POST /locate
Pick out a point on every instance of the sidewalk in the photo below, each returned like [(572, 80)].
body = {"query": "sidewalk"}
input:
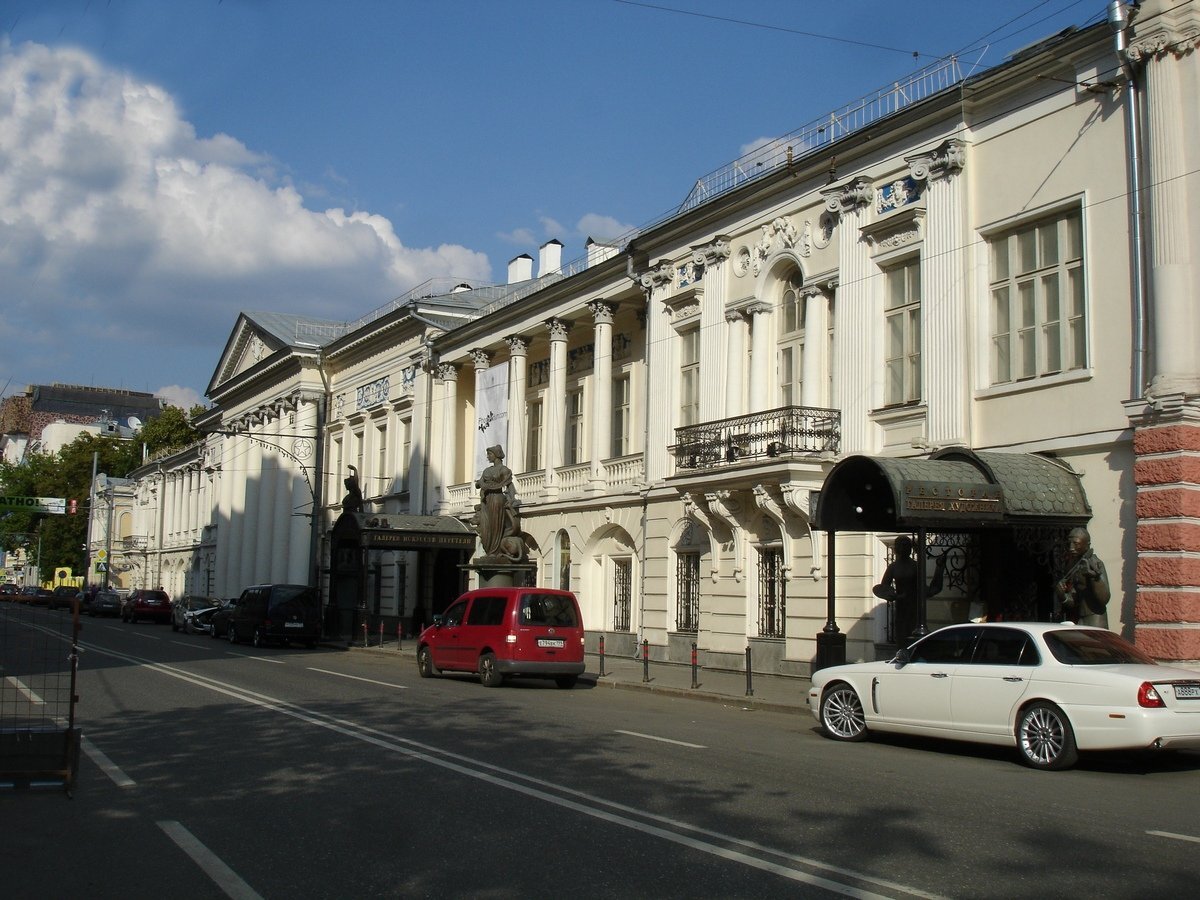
[(777, 693)]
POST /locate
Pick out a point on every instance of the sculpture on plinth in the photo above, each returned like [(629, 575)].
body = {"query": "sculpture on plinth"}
[(496, 520)]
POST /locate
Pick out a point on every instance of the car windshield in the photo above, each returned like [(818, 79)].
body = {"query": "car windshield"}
[(1093, 647)]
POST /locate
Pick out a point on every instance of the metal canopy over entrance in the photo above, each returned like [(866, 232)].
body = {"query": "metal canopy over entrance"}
[(953, 490)]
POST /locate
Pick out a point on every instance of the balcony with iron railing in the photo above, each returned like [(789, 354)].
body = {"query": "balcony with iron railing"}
[(786, 432)]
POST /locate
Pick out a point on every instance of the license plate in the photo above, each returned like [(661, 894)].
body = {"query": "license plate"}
[(293, 624), (550, 642), (1187, 692)]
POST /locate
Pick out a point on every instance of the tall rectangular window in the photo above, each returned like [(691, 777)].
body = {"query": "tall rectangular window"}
[(1038, 322), (573, 443), (405, 460), (902, 334), (791, 344), (622, 594), (533, 437), (620, 416), (689, 377), (335, 470), (687, 578), (772, 594), (382, 472)]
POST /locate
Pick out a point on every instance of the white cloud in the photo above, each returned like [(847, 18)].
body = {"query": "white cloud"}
[(601, 228), (124, 234)]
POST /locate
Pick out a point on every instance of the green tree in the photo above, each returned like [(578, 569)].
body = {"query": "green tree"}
[(169, 431)]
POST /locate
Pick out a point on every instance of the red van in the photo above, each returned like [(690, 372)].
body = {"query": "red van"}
[(499, 632)]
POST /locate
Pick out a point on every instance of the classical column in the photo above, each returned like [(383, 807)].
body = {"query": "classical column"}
[(222, 506), (762, 359), (448, 452), (253, 521), (556, 403), (300, 567), (482, 361), (735, 362), (602, 394), (709, 259), (270, 522), (662, 354), (814, 366), (518, 352), (235, 469), (945, 381), (856, 356), (281, 512)]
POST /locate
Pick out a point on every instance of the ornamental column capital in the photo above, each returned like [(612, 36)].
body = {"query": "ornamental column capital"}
[(602, 311), (661, 275), (947, 159), (481, 358), (713, 253), (518, 345), (849, 197), (447, 371), (559, 329)]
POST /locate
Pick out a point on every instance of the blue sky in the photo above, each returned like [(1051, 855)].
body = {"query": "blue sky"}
[(164, 165)]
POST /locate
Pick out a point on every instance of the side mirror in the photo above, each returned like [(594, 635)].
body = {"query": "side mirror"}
[(437, 621), (903, 657)]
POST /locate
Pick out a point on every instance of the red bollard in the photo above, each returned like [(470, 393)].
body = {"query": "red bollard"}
[(695, 683), (399, 634), (380, 632), (645, 660), (601, 656)]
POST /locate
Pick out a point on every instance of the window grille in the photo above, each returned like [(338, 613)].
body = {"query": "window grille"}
[(772, 594), (687, 611), (622, 594)]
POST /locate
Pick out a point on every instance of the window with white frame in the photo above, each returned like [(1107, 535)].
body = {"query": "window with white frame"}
[(772, 593), (335, 471), (381, 460), (791, 342), (620, 415), (533, 437), (573, 439), (405, 460), (622, 594), (902, 333), (687, 581), (689, 377), (1038, 322)]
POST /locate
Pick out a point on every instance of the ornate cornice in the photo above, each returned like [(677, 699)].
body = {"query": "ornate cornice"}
[(713, 253), (1176, 32)]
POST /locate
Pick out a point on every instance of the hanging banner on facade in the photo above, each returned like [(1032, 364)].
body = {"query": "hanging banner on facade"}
[(491, 412), (55, 506)]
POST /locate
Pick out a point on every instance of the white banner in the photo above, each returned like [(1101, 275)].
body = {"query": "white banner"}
[(491, 414)]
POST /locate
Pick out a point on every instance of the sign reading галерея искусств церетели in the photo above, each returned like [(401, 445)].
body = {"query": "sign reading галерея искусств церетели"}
[(936, 500)]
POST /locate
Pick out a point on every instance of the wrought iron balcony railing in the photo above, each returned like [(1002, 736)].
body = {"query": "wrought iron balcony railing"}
[(784, 432)]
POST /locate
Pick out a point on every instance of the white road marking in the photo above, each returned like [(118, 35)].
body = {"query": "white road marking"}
[(22, 688), (1177, 837), (226, 879), (120, 779), (278, 662), (651, 737), (587, 804), (400, 687), (149, 637)]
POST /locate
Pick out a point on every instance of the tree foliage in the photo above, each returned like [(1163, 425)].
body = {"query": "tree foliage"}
[(60, 540)]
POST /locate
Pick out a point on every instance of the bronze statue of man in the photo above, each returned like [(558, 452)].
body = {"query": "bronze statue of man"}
[(1082, 594)]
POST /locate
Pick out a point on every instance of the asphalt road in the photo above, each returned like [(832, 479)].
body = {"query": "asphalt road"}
[(214, 771)]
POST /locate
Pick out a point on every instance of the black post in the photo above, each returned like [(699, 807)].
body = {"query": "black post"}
[(645, 660), (601, 656), (695, 683), (831, 643), (749, 675)]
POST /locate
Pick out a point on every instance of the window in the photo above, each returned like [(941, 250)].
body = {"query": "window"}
[(772, 594), (487, 611), (791, 343), (335, 472), (689, 377), (949, 645), (1005, 647), (620, 416), (573, 444), (1038, 326), (405, 460), (902, 334), (548, 609), (622, 594), (533, 442), (381, 463), (687, 575)]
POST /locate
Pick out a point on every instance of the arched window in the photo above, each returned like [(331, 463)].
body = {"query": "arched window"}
[(564, 561), (791, 341)]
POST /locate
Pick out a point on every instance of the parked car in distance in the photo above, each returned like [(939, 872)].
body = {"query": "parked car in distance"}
[(185, 613), (35, 596), (9, 591), (62, 596), (102, 603), (1050, 690), (502, 632), (146, 603), (218, 622), (276, 614)]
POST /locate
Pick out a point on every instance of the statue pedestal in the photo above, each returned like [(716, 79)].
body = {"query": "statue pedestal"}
[(501, 572)]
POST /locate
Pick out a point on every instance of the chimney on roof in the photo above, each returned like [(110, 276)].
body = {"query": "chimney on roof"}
[(520, 268), (598, 252), (550, 258)]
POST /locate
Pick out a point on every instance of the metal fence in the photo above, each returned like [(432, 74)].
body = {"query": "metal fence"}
[(39, 653)]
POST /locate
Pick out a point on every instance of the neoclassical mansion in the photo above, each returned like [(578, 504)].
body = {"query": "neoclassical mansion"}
[(965, 311)]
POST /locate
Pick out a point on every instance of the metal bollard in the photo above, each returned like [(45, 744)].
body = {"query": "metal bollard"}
[(749, 675), (695, 683), (364, 634), (381, 632), (645, 660), (601, 656), (399, 635)]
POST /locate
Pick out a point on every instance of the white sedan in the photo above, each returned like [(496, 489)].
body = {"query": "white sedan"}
[(1050, 689)]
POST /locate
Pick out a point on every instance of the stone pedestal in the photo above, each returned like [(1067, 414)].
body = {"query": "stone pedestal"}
[(501, 574)]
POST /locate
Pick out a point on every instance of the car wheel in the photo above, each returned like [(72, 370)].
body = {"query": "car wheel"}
[(258, 639), (232, 635), (566, 681), (425, 663), (842, 714), (489, 675), (1045, 739)]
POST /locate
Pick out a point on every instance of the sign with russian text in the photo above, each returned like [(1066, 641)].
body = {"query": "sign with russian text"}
[(56, 506), (950, 500)]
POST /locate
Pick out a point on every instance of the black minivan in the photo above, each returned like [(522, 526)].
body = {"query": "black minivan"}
[(276, 613)]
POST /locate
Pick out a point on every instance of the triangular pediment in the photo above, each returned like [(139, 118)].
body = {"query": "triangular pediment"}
[(248, 345)]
